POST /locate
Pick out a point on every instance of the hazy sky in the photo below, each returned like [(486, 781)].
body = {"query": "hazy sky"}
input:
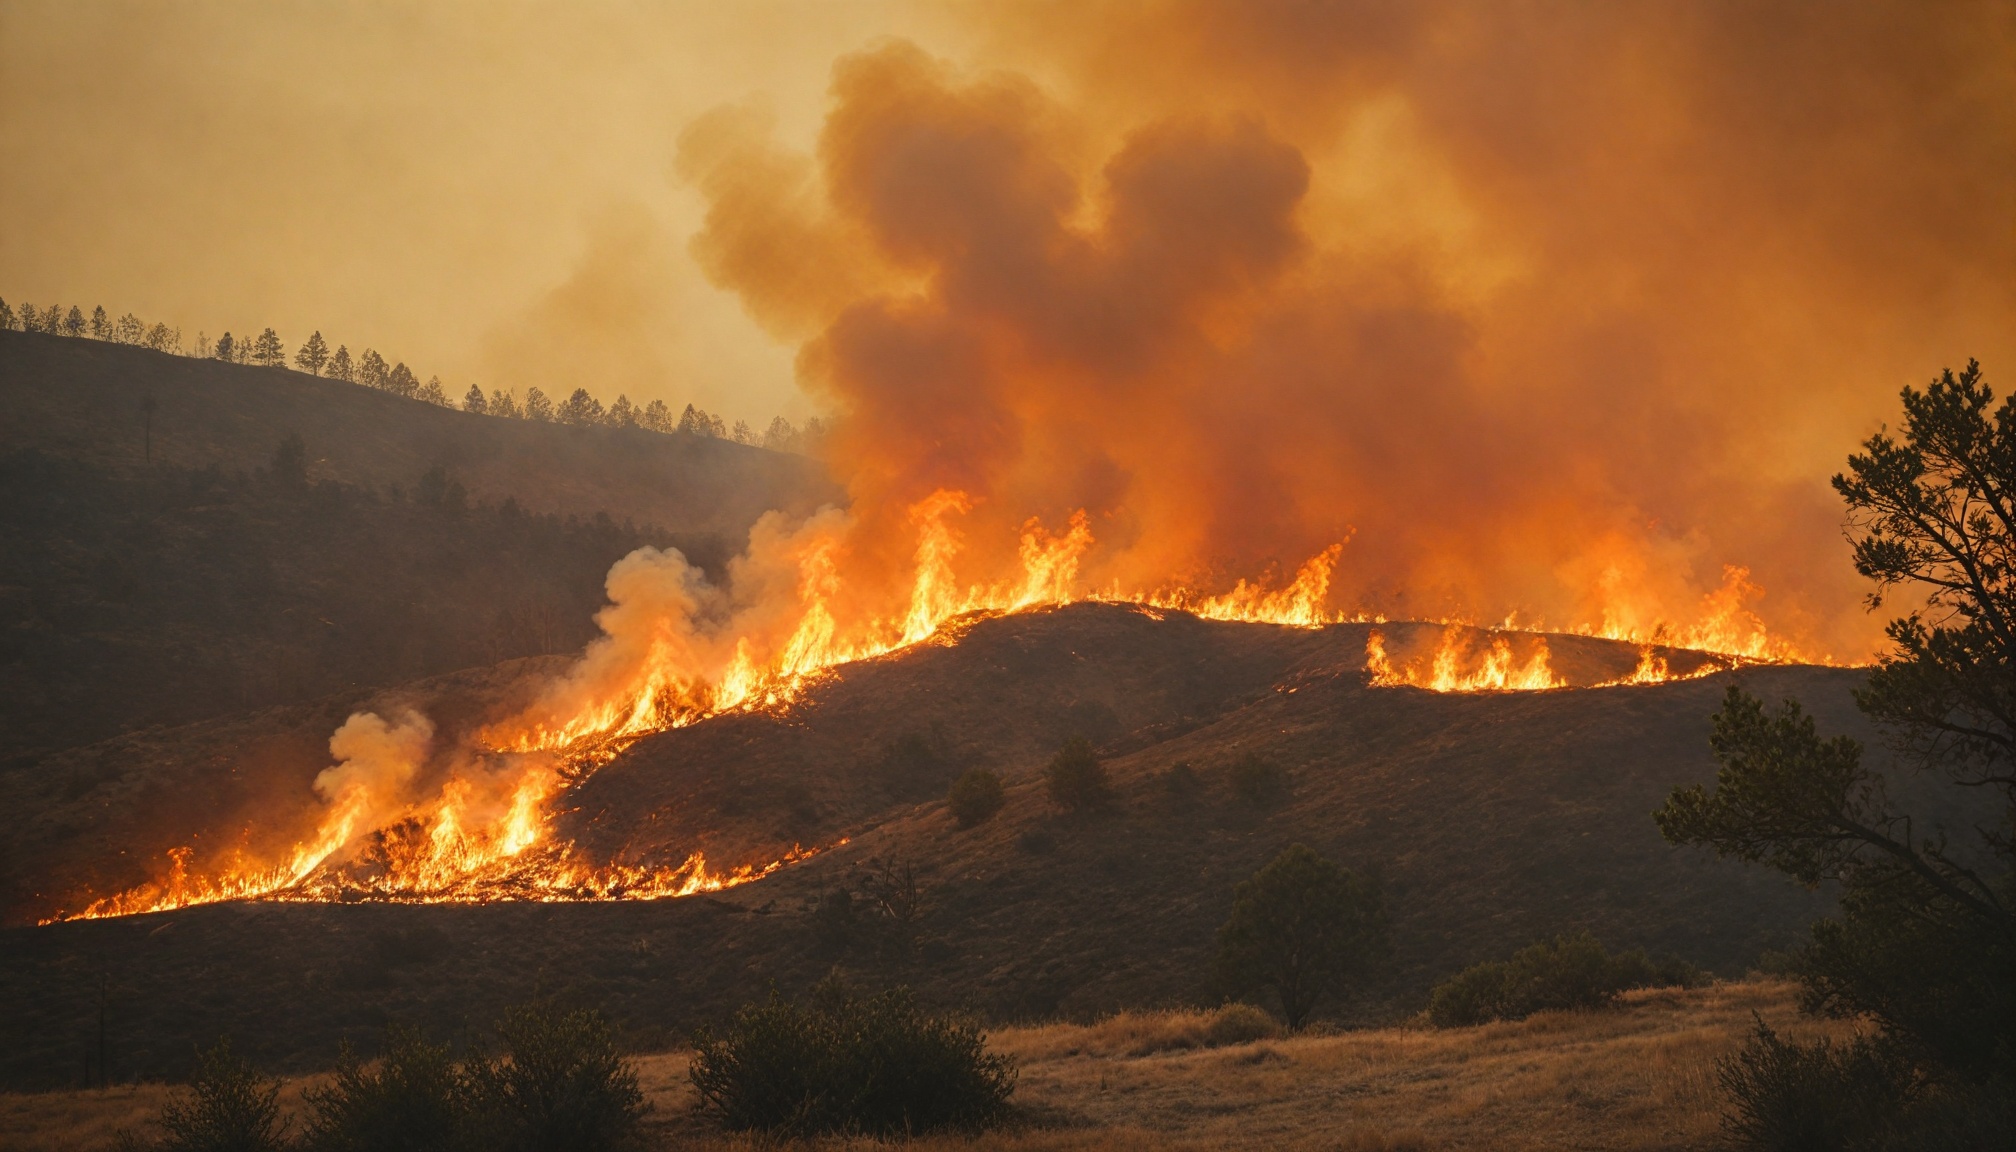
[(1551, 308)]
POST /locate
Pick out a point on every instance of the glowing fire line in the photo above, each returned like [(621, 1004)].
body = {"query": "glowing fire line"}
[(487, 835)]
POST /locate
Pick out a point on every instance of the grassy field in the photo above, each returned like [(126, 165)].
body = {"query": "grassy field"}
[(1639, 1076)]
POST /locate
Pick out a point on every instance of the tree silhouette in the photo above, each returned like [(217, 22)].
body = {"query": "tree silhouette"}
[(657, 417), (502, 403), (780, 436), (6, 317), (73, 322), (52, 320), (622, 414), (313, 355), (473, 401), (581, 408), (267, 351), (225, 347), (340, 367), (162, 338), (31, 320), (434, 393), (1302, 928), (743, 434), (101, 328), (400, 381), (130, 331), (537, 405)]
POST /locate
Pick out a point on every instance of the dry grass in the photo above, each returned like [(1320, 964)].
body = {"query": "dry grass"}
[(1638, 1076)]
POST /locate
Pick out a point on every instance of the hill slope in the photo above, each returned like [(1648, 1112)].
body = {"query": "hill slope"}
[(1491, 819)]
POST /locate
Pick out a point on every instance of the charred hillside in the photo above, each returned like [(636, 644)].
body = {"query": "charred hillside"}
[(1491, 819), (404, 541)]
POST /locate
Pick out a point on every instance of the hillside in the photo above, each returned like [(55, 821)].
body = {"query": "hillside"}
[(83, 400), (417, 542), (1491, 819)]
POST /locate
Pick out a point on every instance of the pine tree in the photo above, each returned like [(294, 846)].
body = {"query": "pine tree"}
[(780, 436), (743, 434), (225, 345), (372, 370), (474, 401), (339, 365), (131, 331), (622, 414), (73, 322), (400, 381), (657, 417), (693, 421), (537, 405), (162, 338), (502, 403), (267, 351), (434, 393), (31, 320), (6, 317), (312, 355), (101, 328), (581, 408), (52, 320)]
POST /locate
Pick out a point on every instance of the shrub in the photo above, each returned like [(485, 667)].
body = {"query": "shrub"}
[(1258, 781), (975, 797), (1567, 972), (561, 1086), (1181, 785), (1076, 778), (228, 1107), (844, 1063), (1791, 1097), (1302, 928), (1239, 1024), (415, 1099)]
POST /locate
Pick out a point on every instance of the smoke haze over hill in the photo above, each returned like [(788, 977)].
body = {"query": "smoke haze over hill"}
[(1550, 310)]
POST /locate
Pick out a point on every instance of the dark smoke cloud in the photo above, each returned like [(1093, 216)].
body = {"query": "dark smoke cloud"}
[(1556, 310)]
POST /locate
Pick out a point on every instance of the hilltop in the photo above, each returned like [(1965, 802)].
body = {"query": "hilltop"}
[(1490, 819)]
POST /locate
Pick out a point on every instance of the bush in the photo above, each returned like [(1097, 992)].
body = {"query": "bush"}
[(1790, 1097), (415, 1099), (842, 1063), (228, 1107), (1239, 1024), (1181, 785), (1076, 778), (1567, 972), (1259, 781), (1302, 928), (975, 797), (561, 1086)]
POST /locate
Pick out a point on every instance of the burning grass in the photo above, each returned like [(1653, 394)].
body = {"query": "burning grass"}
[(1639, 1075)]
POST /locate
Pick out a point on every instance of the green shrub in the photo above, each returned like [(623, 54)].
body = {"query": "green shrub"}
[(228, 1107), (975, 797), (1567, 972), (1238, 1023), (414, 1099), (560, 1087), (1792, 1097), (1258, 781), (1076, 778), (1302, 928), (843, 1063)]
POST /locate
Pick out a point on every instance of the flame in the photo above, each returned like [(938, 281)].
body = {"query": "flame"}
[(675, 651), (1451, 670)]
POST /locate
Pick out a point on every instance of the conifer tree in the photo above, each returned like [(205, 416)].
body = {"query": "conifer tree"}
[(73, 321), (743, 434), (502, 403), (400, 381), (267, 351), (31, 320), (6, 317), (52, 320), (225, 345), (780, 436), (339, 365), (473, 401), (131, 331), (162, 338), (313, 354), (693, 421), (101, 328), (656, 416), (372, 370), (622, 414), (581, 408), (434, 393), (537, 405)]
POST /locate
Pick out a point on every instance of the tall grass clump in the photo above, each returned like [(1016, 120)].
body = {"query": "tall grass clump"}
[(841, 1062)]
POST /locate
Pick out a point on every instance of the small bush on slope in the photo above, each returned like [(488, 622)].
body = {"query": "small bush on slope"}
[(229, 1107), (975, 797), (845, 1063), (1563, 973), (413, 1099)]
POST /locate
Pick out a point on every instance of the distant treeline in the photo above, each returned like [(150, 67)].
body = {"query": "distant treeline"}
[(371, 370)]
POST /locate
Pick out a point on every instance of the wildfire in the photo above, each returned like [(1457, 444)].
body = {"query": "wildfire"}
[(677, 650)]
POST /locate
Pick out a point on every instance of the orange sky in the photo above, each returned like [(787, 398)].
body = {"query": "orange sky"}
[(1554, 308)]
